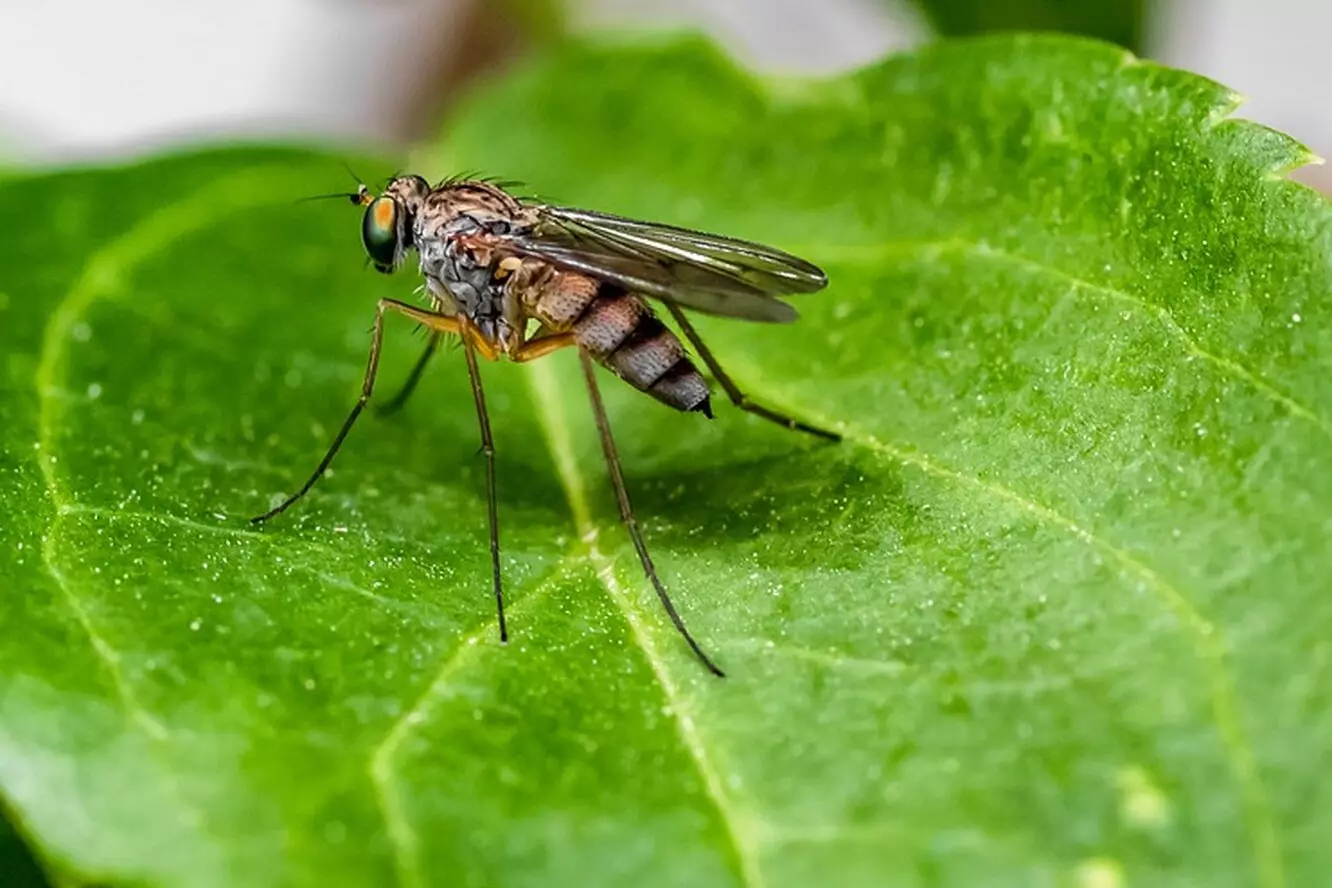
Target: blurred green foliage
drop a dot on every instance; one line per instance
(539, 21)
(1119, 21)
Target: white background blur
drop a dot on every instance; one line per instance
(91, 79)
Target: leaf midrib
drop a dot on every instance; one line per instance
(549, 407)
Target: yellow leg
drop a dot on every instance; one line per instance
(459, 325)
(430, 319)
(467, 330)
(539, 348)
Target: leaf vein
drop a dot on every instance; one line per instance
(159, 517)
(104, 271)
(549, 408)
(1167, 320)
(106, 653)
(830, 659)
(102, 274)
(402, 837)
(1207, 639)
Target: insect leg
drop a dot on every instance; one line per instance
(627, 511)
(739, 398)
(488, 448)
(395, 403)
(539, 348)
(434, 321)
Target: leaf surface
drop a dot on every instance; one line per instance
(1054, 613)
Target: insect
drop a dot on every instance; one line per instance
(519, 279)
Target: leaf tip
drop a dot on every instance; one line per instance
(1226, 107)
(1129, 59)
(1284, 154)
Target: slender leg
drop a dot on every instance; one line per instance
(395, 403)
(488, 448)
(434, 321)
(627, 511)
(739, 398)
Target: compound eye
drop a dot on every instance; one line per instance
(379, 232)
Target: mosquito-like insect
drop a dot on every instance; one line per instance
(496, 266)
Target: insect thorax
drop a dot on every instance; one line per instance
(464, 280)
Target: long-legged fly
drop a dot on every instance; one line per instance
(519, 279)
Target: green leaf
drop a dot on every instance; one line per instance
(1053, 614)
(1121, 21)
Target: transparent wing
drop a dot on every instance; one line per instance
(705, 272)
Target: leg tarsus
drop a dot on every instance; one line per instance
(627, 513)
(434, 320)
(739, 398)
(492, 508)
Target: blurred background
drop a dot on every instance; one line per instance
(87, 80)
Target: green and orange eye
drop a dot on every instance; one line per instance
(379, 233)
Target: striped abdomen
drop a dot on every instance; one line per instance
(621, 332)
